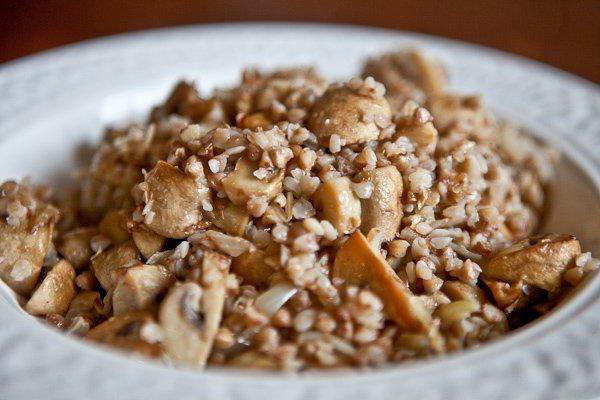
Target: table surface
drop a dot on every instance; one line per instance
(563, 33)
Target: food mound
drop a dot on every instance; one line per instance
(288, 224)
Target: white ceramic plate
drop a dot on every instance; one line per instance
(53, 102)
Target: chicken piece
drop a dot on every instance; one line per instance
(383, 210)
(538, 261)
(104, 264)
(75, 246)
(25, 235)
(148, 242)
(356, 116)
(54, 294)
(230, 218)
(338, 204)
(139, 286)
(124, 332)
(190, 314)
(241, 184)
(357, 263)
(173, 201)
(114, 225)
(407, 75)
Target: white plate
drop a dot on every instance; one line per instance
(51, 103)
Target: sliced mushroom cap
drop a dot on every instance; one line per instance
(23, 248)
(383, 210)
(457, 290)
(190, 315)
(507, 296)
(114, 225)
(147, 241)
(539, 261)
(355, 117)
(419, 129)
(84, 305)
(456, 311)
(230, 245)
(124, 332)
(241, 184)
(450, 109)
(357, 263)
(55, 293)
(75, 246)
(230, 218)
(111, 259)
(253, 359)
(173, 201)
(139, 286)
(339, 204)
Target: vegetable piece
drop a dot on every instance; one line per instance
(230, 218)
(418, 128)
(147, 241)
(113, 258)
(190, 315)
(55, 293)
(75, 246)
(508, 296)
(230, 245)
(383, 210)
(451, 109)
(139, 286)
(359, 264)
(241, 184)
(456, 311)
(274, 298)
(23, 247)
(123, 331)
(538, 261)
(252, 359)
(339, 205)
(457, 290)
(114, 225)
(355, 117)
(251, 267)
(84, 305)
(173, 201)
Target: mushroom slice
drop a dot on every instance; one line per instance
(55, 293)
(230, 245)
(139, 286)
(339, 205)
(508, 296)
(538, 261)
(383, 210)
(75, 246)
(450, 109)
(105, 263)
(456, 311)
(84, 305)
(252, 359)
(230, 218)
(419, 129)
(251, 267)
(23, 247)
(190, 315)
(114, 225)
(457, 290)
(355, 117)
(173, 201)
(357, 263)
(124, 332)
(241, 184)
(148, 242)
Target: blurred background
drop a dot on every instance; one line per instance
(563, 33)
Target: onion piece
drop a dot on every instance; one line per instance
(274, 298)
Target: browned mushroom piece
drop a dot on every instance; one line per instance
(252, 267)
(419, 129)
(355, 116)
(114, 225)
(507, 296)
(138, 287)
(75, 246)
(84, 305)
(457, 290)
(105, 263)
(147, 241)
(538, 261)
(124, 332)
(173, 201)
(451, 109)
(55, 293)
(456, 311)
(230, 245)
(253, 359)
(190, 315)
(383, 209)
(240, 184)
(230, 218)
(406, 74)
(339, 204)
(24, 240)
(357, 263)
